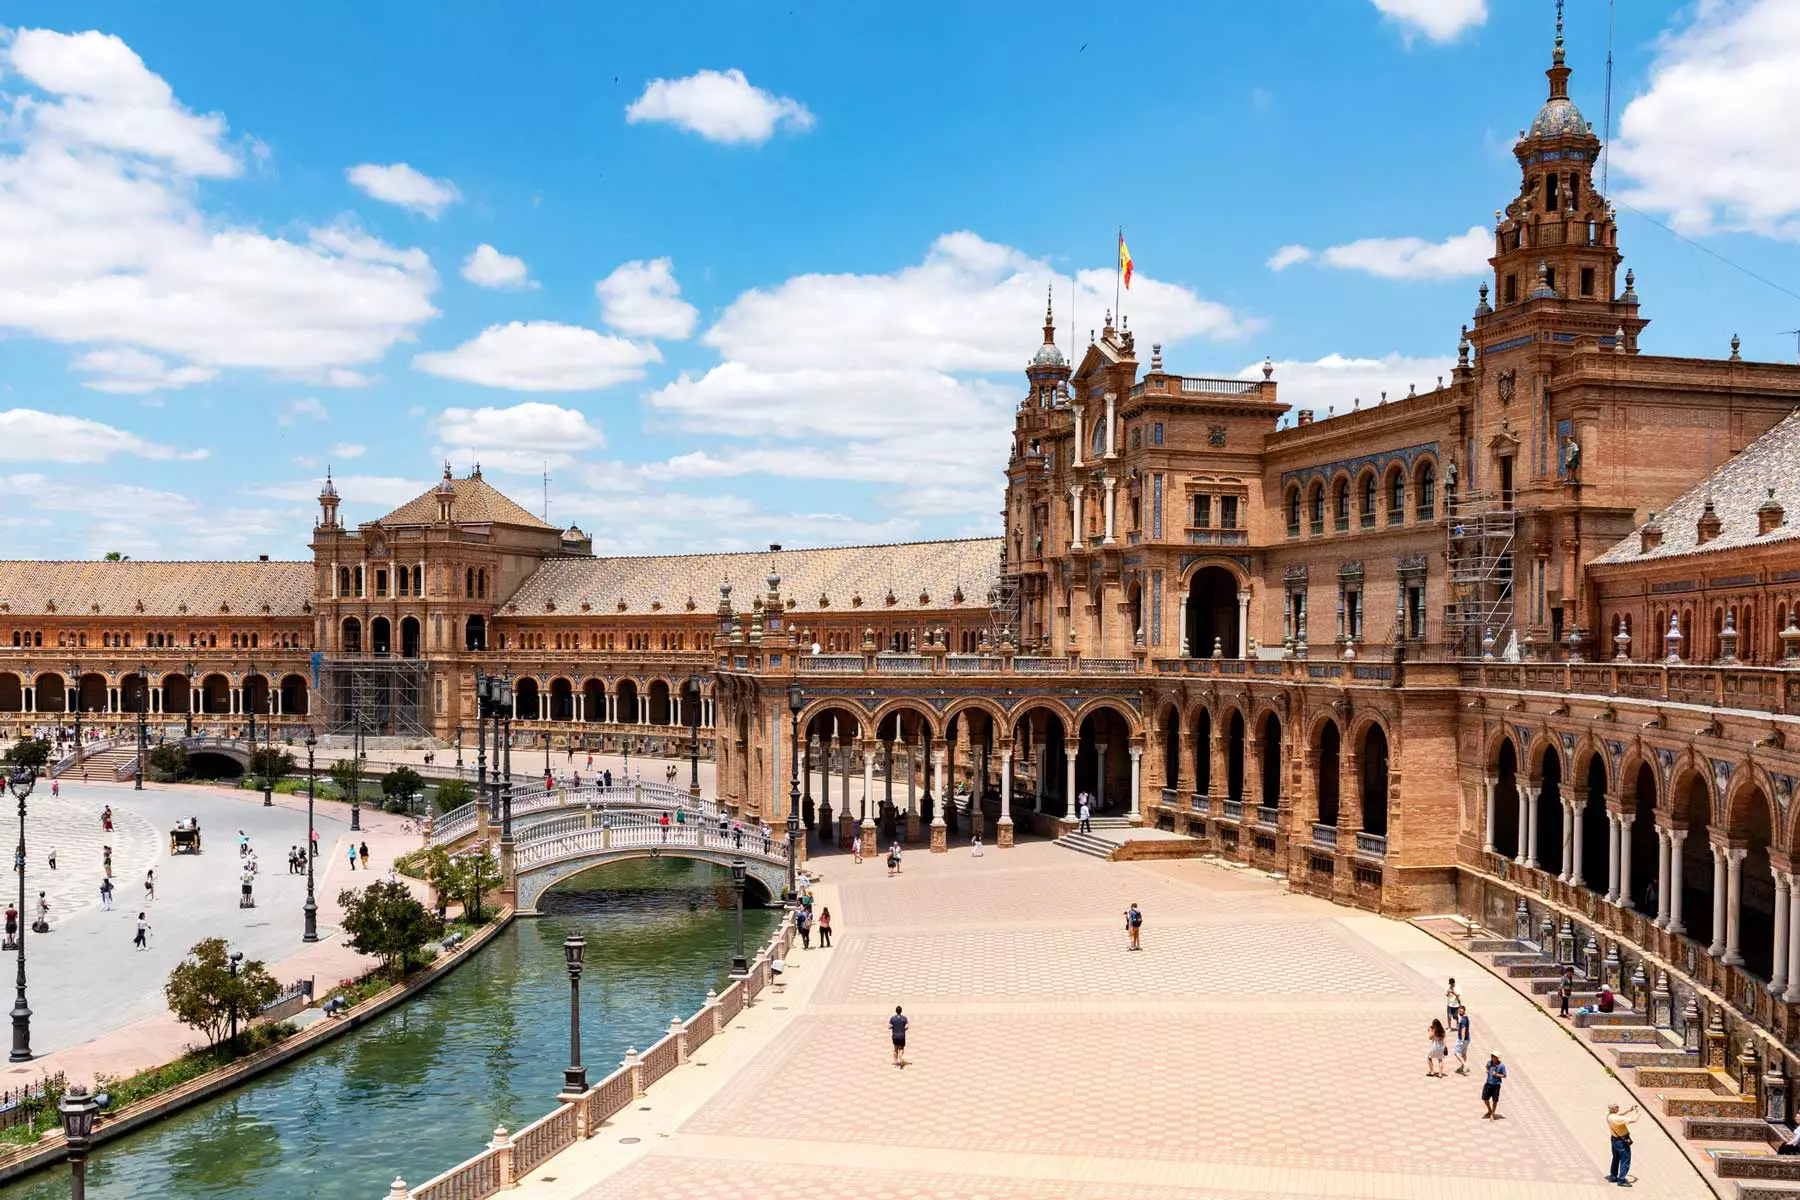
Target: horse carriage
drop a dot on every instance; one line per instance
(185, 837)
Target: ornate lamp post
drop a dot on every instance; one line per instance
(740, 965)
(503, 721)
(311, 908)
(237, 956)
(575, 1078)
(80, 1113)
(75, 674)
(691, 689)
(248, 705)
(459, 762)
(356, 757)
(796, 701)
(143, 741)
(21, 782)
(268, 751)
(193, 670)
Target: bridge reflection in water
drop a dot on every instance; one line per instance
(485, 1047)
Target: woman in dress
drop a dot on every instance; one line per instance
(1436, 1050)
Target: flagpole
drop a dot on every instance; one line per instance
(1118, 269)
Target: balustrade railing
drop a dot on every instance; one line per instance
(1109, 666)
(1324, 836)
(1268, 815)
(971, 664)
(1234, 810)
(831, 664)
(1371, 845)
(1040, 666)
(635, 831)
(902, 664)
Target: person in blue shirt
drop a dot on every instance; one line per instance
(1490, 1091)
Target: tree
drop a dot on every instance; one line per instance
(202, 992)
(115, 556)
(168, 763)
(453, 793)
(276, 764)
(347, 774)
(400, 785)
(29, 752)
(463, 877)
(387, 920)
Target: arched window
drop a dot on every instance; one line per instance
(343, 581)
(1367, 510)
(1341, 507)
(1293, 512)
(1396, 496)
(481, 584)
(1426, 489)
(469, 583)
(1318, 508)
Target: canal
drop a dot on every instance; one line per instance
(423, 1087)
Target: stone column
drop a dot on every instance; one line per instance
(1099, 775)
(1243, 646)
(1137, 754)
(1041, 759)
(1181, 626)
(1069, 801)
(1003, 831)
(1675, 884)
(1720, 897)
(868, 822)
(1076, 532)
(1080, 434)
(1778, 975)
(1792, 994)
(1531, 855)
(1623, 835)
(1734, 906)
(1572, 841)
(1526, 797)
(1612, 857)
(939, 834)
(1112, 487)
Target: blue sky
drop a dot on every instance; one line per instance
(748, 273)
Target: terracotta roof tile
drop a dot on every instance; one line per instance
(115, 589)
(839, 575)
(477, 502)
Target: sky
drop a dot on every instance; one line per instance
(730, 274)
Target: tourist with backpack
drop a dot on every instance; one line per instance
(1134, 926)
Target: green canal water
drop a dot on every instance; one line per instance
(422, 1088)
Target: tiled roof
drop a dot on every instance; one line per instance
(1736, 490)
(839, 575)
(477, 502)
(115, 589)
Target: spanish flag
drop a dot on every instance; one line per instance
(1124, 260)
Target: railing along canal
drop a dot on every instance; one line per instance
(508, 1158)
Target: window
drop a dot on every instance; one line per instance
(1318, 508)
(343, 581)
(1551, 200)
(1396, 497)
(1427, 492)
(1341, 508)
(1293, 512)
(1550, 278)
(359, 582)
(401, 580)
(1353, 613)
(1228, 512)
(1415, 612)
(1587, 281)
(481, 584)
(1156, 434)
(1202, 512)
(469, 583)
(381, 583)
(1367, 512)
(1574, 192)
(1512, 289)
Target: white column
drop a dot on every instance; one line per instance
(1100, 775)
(1612, 857)
(1622, 834)
(515, 705)
(1112, 487)
(1574, 839)
(1720, 897)
(937, 771)
(1080, 434)
(1006, 786)
(1792, 994)
(1186, 649)
(868, 785)
(1112, 424)
(1662, 877)
(1524, 847)
(1137, 753)
(1531, 854)
(912, 782)
(1778, 976)
(1734, 904)
(1075, 522)
(1243, 646)
(1069, 762)
(1489, 790)
(1673, 899)
(580, 705)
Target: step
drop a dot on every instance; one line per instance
(1495, 946)
(1767, 1191)
(1624, 1016)
(1693, 1102)
(1663, 1079)
(1633, 1059)
(1634, 1035)
(1721, 1129)
(1733, 1163)
(1533, 970)
(1547, 987)
(1094, 849)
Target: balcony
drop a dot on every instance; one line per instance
(1368, 520)
(1040, 666)
(1324, 836)
(832, 664)
(971, 664)
(1109, 666)
(1342, 524)
(1371, 845)
(902, 664)
(1268, 816)
(1234, 811)
(1318, 526)
(1200, 803)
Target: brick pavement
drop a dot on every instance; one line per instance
(1262, 1044)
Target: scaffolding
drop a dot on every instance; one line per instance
(1480, 533)
(1003, 606)
(376, 697)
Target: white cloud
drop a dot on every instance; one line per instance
(105, 244)
(27, 435)
(721, 106)
(399, 184)
(1439, 20)
(642, 299)
(348, 450)
(306, 407)
(1288, 256)
(143, 522)
(1400, 257)
(126, 371)
(1337, 384)
(521, 439)
(343, 377)
(383, 491)
(1714, 140)
(541, 356)
(489, 268)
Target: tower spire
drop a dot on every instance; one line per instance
(1559, 71)
(1049, 316)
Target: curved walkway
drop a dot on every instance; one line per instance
(1262, 1044)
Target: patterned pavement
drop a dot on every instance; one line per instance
(1260, 1045)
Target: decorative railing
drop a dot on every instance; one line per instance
(1324, 836)
(635, 831)
(1040, 666)
(1109, 666)
(1200, 803)
(831, 664)
(971, 664)
(1268, 815)
(1218, 387)
(1762, 688)
(1371, 845)
(902, 664)
(508, 1158)
(447, 827)
(1233, 810)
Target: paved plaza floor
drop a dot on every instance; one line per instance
(1261, 1044)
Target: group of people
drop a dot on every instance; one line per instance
(1450, 1036)
(803, 916)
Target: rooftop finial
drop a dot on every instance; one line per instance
(1559, 33)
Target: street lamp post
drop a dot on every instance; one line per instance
(143, 741)
(503, 720)
(21, 783)
(796, 701)
(575, 1078)
(484, 686)
(268, 751)
(691, 689)
(80, 1112)
(356, 757)
(740, 965)
(193, 669)
(250, 705)
(75, 674)
(311, 908)
(237, 956)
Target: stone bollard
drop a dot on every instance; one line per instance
(1775, 1089)
(1662, 1003)
(1003, 833)
(867, 833)
(635, 1067)
(940, 836)
(678, 1031)
(1690, 1026)
(1716, 1041)
(1749, 1071)
(1565, 943)
(503, 1156)
(1590, 958)
(1640, 989)
(399, 1190)
(1613, 967)
(1546, 939)
(1522, 921)
(711, 1008)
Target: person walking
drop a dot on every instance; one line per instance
(897, 1028)
(315, 844)
(53, 858)
(106, 891)
(1618, 1124)
(825, 929)
(1462, 1040)
(353, 858)
(150, 884)
(1565, 986)
(1490, 1090)
(363, 851)
(12, 926)
(106, 860)
(1134, 927)
(55, 788)
(803, 928)
(142, 940)
(1435, 1050)
(1085, 815)
(1452, 1002)
(243, 844)
(106, 819)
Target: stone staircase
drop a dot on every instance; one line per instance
(1107, 836)
(113, 763)
(1692, 1086)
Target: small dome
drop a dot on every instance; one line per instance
(1048, 356)
(573, 534)
(1558, 118)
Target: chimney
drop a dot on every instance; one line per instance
(1770, 516)
(1707, 527)
(1650, 535)
(1305, 418)
(265, 558)
(774, 547)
